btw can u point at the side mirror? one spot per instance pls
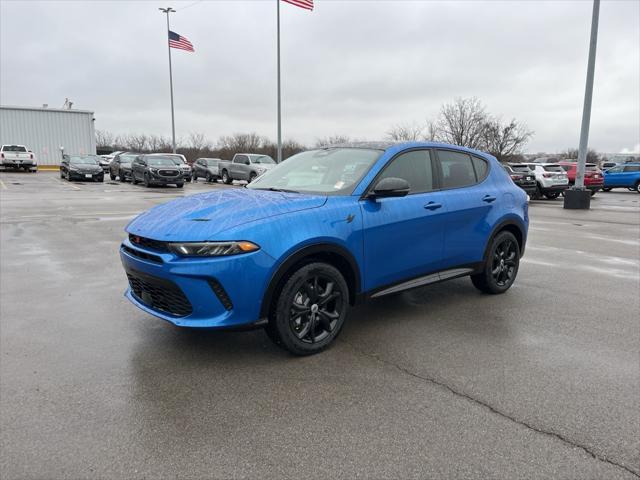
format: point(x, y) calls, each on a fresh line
point(391, 187)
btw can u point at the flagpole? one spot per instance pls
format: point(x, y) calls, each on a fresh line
point(279, 158)
point(173, 122)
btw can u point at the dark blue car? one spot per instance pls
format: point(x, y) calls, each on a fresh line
point(324, 229)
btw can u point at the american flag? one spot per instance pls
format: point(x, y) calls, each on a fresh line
point(307, 4)
point(178, 41)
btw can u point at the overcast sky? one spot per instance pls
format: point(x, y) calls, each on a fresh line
point(349, 67)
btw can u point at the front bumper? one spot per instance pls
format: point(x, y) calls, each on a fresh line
point(220, 292)
point(160, 180)
point(95, 176)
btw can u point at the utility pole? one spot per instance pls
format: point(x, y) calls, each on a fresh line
point(578, 197)
point(169, 10)
point(279, 157)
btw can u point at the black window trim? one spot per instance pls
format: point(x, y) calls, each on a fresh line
point(434, 172)
point(471, 155)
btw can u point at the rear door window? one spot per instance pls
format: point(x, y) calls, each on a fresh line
point(632, 168)
point(457, 169)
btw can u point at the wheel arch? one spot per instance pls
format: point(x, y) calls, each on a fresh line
point(335, 255)
point(512, 226)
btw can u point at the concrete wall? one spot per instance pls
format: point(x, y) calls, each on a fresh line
point(45, 130)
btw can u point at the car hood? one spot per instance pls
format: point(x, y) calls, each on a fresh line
point(202, 217)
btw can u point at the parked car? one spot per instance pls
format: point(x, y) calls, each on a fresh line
point(181, 162)
point(120, 166)
point(626, 175)
point(81, 167)
point(206, 168)
point(593, 178)
point(551, 179)
point(325, 228)
point(245, 166)
point(154, 169)
point(525, 180)
point(18, 157)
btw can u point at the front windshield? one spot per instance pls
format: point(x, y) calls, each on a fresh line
point(262, 159)
point(83, 161)
point(333, 171)
point(160, 161)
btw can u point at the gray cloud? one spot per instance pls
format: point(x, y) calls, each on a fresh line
point(350, 67)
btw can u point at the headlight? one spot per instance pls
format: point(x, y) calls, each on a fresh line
point(153, 170)
point(73, 169)
point(212, 249)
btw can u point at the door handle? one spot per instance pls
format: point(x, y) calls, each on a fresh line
point(488, 199)
point(433, 206)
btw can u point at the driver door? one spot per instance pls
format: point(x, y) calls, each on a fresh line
point(404, 236)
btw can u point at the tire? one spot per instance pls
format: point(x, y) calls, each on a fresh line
point(208, 177)
point(133, 178)
point(638, 187)
point(501, 265)
point(552, 195)
point(538, 193)
point(180, 185)
point(122, 178)
point(320, 317)
point(188, 179)
point(606, 189)
point(593, 192)
point(225, 178)
point(145, 180)
point(61, 174)
point(112, 177)
point(252, 177)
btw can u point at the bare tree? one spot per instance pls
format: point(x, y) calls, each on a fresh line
point(332, 140)
point(504, 140)
point(104, 139)
point(572, 154)
point(462, 123)
point(406, 132)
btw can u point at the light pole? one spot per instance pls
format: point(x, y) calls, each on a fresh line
point(578, 197)
point(169, 10)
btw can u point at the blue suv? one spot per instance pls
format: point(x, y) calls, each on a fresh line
point(625, 175)
point(323, 230)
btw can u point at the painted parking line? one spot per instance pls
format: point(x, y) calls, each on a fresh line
point(2, 185)
point(59, 180)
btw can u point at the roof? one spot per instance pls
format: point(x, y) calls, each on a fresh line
point(41, 109)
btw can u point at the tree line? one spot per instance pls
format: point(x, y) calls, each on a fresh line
point(464, 121)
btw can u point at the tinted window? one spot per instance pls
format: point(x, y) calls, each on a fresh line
point(481, 166)
point(632, 168)
point(615, 170)
point(414, 167)
point(13, 148)
point(553, 168)
point(457, 169)
point(241, 159)
point(521, 168)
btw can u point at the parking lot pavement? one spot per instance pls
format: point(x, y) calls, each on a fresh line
point(541, 382)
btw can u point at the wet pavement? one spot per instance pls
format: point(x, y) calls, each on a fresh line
point(442, 382)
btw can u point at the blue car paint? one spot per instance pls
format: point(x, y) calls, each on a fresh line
point(389, 239)
point(629, 179)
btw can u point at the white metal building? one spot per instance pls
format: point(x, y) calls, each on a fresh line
point(45, 130)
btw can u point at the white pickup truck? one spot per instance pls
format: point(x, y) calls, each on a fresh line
point(18, 156)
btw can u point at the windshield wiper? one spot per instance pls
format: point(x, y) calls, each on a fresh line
point(273, 189)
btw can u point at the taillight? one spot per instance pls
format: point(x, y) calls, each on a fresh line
point(31, 156)
point(2, 155)
point(546, 175)
point(516, 177)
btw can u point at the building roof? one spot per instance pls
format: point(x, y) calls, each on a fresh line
point(41, 109)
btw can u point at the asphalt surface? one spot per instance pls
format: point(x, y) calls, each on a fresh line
point(439, 382)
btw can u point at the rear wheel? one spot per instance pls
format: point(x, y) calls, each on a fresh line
point(146, 181)
point(501, 265)
point(225, 178)
point(310, 309)
point(208, 177)
point(606, 189)
point(638, 187)
point(252, 177)
point(593, 192)
point(552, 195)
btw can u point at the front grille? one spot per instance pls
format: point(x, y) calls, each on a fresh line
point(148, 243)
point(142, 255)
point(159, 294)
point(221, 293)
point(168, 173)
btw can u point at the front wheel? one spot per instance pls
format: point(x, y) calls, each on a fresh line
point(593, 192)
point(208, 178)
point(179, 185)
point(606, 189)
point(252, 177)
point(552, 195)
point(501, 265)
point(112, 177)
point(637, 188)
point(146, 181)
point(310, 309)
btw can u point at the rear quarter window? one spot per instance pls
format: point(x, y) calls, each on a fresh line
point(481, 167)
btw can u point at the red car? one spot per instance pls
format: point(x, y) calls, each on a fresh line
point(593, 178)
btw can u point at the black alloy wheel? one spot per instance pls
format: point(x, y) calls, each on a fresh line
point(252, 177)
point(225, 178)
point(310, 309)
point(606, 189)
point(552, 195)
point(146, 181)
point(208, 178)
point(501, 265)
